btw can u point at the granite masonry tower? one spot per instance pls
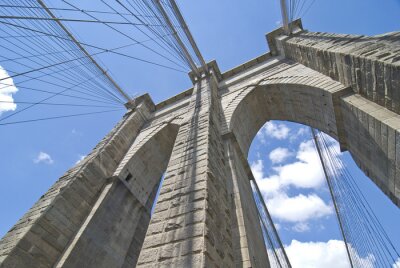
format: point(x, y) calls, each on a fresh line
point(99, 213)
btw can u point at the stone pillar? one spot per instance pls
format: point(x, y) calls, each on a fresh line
point(113, 231)
point(248, 242)
point(191, 225)
point(372, 137)
point(370, 66)
point(47, 233)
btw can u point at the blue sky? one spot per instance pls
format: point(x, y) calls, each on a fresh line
point(34, 155)
point(288, 171)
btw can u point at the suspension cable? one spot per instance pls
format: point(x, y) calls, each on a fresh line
point(332, 195)
point(366, 241)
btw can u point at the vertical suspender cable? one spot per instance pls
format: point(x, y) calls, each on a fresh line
point(332, 194)
point(272, 223)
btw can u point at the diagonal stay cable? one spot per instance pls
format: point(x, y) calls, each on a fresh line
point(149, 7)
point(71, 60)
point(307, 9)
point(64, 9)
point(75, 41)
point(156, 33)
point(60, 30)
point(78, 42)
point(66, 95)
point(36, 103)
point(34, 60)
point(38, 78)
point(48, 74)
point(46, 54)
point(187, 32)
point(177, 37)
point(58, 117)
point(104, 50)
point(151, 49)
point(171, 15)
point(130, 37)
point(93, 68)
point(124, 34)
point(48, 45)
point(60, 104)
point(75, 20)
point(153, 17)
point(18, 36)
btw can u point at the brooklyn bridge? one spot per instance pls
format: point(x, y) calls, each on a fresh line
point(171, 185)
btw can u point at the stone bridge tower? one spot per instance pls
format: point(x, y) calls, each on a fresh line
point(99, 213)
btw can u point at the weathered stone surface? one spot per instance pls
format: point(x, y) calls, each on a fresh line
point(98, 213)
point(187, 208)
point(370, 65)
point(50, 225)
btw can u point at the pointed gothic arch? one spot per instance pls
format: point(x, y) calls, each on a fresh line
point(124, 207)
point(354, 121)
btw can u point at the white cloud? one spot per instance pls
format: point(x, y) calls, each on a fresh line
point(331, 254)
point(7, 88)
point(305, 172)
point(397, 264)
point(301, 227)
point(43, 157)
point(273, 130)
point(278, 131)
point(299, 208)
point(270, 186)
point(76, 132)
point(279, 155)
point(81, 157)
point(301, 132)
point(257, 169)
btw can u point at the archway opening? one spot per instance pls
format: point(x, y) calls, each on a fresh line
point(291, 186)
point(357, 123)
point(124, 206)
point(288, 170)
